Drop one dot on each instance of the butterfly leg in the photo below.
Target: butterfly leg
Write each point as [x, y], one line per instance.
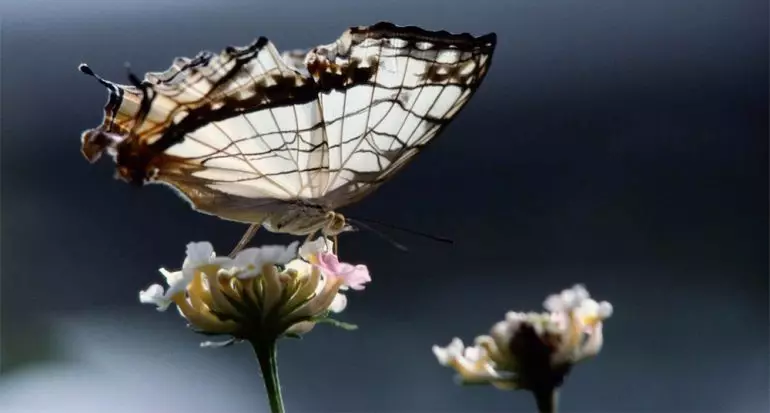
[245, 239]
[310, 237]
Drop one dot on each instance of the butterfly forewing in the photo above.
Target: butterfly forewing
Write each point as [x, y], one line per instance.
[406, 85]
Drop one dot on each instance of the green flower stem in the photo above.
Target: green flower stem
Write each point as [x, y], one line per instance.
[547, 400]
[266, 354]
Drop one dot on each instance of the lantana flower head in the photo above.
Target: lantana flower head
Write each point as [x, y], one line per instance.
[260, 294]
[532, 351]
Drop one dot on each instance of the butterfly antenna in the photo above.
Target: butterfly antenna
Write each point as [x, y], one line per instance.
[115, 91]
[407, 230]
[84, 68]
[378, 233]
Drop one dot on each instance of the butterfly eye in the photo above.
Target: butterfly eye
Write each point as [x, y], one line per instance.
[94, 144]
[338, 223]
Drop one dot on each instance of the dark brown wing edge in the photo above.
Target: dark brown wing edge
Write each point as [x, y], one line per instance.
[441, 38]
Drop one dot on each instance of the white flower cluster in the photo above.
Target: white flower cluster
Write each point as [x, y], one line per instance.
[527, 348]
[249, 296]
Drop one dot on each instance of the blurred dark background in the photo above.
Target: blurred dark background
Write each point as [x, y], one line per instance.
[621, 144]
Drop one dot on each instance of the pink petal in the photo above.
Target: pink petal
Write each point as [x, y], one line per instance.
[355, 276]
[329, 262]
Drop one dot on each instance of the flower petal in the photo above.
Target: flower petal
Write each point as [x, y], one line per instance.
[355, 276]
[251, 260]
[581, 294]
[329, 263]
[554, 303]
[472, 364]
[605, 310]
[278, 254]
[302, 268]
[198, 253]
[319, 245]
[590, 312]
[154, 294]
[339, 303]
[177, 280]
[172, 277]
[219, 344]
[247, 260]
[445, 355]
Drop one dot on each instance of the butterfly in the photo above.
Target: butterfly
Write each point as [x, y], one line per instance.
[283, 140]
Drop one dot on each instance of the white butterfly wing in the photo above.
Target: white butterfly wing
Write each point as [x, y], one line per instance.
[245, 132]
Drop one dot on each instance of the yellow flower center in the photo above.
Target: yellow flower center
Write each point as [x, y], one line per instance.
[590, 320]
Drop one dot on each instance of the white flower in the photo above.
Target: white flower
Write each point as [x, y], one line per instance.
[202, 253]
[250, 260]
[472, 363]
[248, 297]
[590, 312]
[154, 294]
[319, 245]
[303, 268]
[527, 348]
[197, 255]
[453, 351]
[567, 300]
[176, 282]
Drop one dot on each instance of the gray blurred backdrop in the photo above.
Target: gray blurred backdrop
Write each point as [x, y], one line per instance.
[621, 144]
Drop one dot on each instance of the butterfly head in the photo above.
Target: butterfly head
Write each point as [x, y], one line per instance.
[336, 224]
[95, 142]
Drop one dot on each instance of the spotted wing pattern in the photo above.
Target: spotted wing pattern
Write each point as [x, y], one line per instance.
[249, 129]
